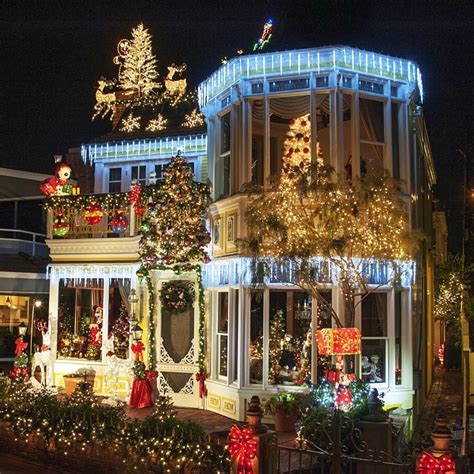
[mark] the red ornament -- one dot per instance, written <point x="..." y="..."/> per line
<point x="243" y="448"/>
<point x="94" y="214"/>
<point x="427" y="463"/>
<point x="305" y="150"/>
<point x="290" y="151"/>
<point x="303" y="123"/>
<point x="292" y="121"/>
<point x="306" y="139"/>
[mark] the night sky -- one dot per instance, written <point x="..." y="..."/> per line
<point x="53" y="53"/>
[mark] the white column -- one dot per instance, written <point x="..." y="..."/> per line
<point x="53" y="320"/>
<point x="105" y="317"/>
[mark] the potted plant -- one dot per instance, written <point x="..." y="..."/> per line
<point x="71" y="381"/>
<point x="286" y="408"/>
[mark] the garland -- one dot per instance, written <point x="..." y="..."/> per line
<point x="176" y="296"/>
<point x="151" y="322"/>
<point x="95" y="425"/>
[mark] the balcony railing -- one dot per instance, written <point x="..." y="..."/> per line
<point x="15" y="240"/>
<point x="74" y="221"/>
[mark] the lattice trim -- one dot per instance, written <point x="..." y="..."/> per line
<point x="165" y="358"/>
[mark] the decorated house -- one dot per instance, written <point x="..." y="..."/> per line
<point x="137" y="249"/>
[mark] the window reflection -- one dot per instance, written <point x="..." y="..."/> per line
<point x="371" y="114"/>
<point x="80" y="319"/>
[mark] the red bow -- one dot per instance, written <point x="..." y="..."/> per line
<point x="137" y="349"/>
<point x="431" y="464"/>
<point x="201" y="378"/>
<point x="20" y="345"/>
<point x="242" y="447"/>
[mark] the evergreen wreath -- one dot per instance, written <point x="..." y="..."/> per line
<point x="177" y="296"/>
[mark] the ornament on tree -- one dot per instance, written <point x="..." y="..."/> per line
<point x="59" y="184"/>
<point x="94" y="214"/>
<point x="61" y="225"/>
<point x="119" y="223"/>
<point x="177" y="234"/>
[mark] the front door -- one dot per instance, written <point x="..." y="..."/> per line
<point x="177" y="348"/>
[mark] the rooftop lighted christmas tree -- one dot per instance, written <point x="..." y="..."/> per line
<point x="138" y="71"/>
<point x="174" y="230"/>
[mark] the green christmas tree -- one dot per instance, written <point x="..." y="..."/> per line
<point x="174" y="230"/>
<point x="138" y="71"/>
<point x="277" y="344"/>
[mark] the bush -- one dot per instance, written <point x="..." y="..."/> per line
<point x="291" y="403"/>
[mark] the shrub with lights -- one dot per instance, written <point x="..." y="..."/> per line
<point x="80" y="422"/>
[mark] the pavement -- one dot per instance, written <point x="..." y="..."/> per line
<point x="10" y="464"/>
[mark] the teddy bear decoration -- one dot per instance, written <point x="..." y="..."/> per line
<point x="58" y="184"/>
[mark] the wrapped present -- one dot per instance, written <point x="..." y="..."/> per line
<point x="338" y="341"/>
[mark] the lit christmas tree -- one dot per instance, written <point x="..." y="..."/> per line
<point x="120" y="330"/>
<point x="297" y="146"/>
<point x="277" y="344"/>
<point x="174" y="230"/>
<point x="138" y="71"/>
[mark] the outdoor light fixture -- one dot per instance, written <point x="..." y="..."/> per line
<point x="22" y="328"/>
<point x="38" y="303"/>
<point x="136" y="332"/>
<point x="132" y="299"/>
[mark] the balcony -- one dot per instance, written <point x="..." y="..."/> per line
<point x="92" y="227"/>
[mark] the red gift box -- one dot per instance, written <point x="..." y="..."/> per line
<point x="338" y="341"/>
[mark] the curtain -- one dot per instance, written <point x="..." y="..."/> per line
<point x="124" y="291"/>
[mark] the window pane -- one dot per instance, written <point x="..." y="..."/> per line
<point x="80" y="319"/>
<point x="347" y="129"/>
<point x="290" y="338"/>
<point x="256" y="338"/>
<point x="115" y="187"/>
<point x="223" y="312"/>
<point x="225" y="133"/>
<point x="118" y="316"/>
<point x="373" y="360"/>
<point x="371" y="158"/>
<point x="115" y="174"/>
<point x="374" y="315"/>
<point x="257" y="159"/>
<point x="139" y="173"/>
<point x="223" y="356"/>
<point x="395" y="141"/>
<point x="371" y="120"/>
<point x="235" y="345"/>
<point x="398" y="338"/>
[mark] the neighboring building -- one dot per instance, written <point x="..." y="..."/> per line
<point x="23" y="256"/>
<point x="363" y="113"/>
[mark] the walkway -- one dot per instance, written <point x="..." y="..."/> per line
<point x="445" y="398"/>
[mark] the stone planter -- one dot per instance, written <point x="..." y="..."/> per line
<point x="284" y="423"/>
<point x="70" y="383"/>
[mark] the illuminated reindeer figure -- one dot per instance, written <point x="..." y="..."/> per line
<point x="42" y="358"/>
<point x="177" y="87"/>
<point x="105" y="102"/>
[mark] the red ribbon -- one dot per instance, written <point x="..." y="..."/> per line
<point x="431" y="464"/>
<point x="137" y="349"/>
<point x="201" y="378"/>
<point x="243" y="448"/>
<point x="20" y="345"/>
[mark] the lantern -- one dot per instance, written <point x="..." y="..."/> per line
<point x="60" y="226"/>
<point x="338" y="341"/>
<point x="119" y="223"/>
<point x="94" y="214"/>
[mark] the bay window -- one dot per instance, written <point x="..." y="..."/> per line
<point x="222" y="333"/>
